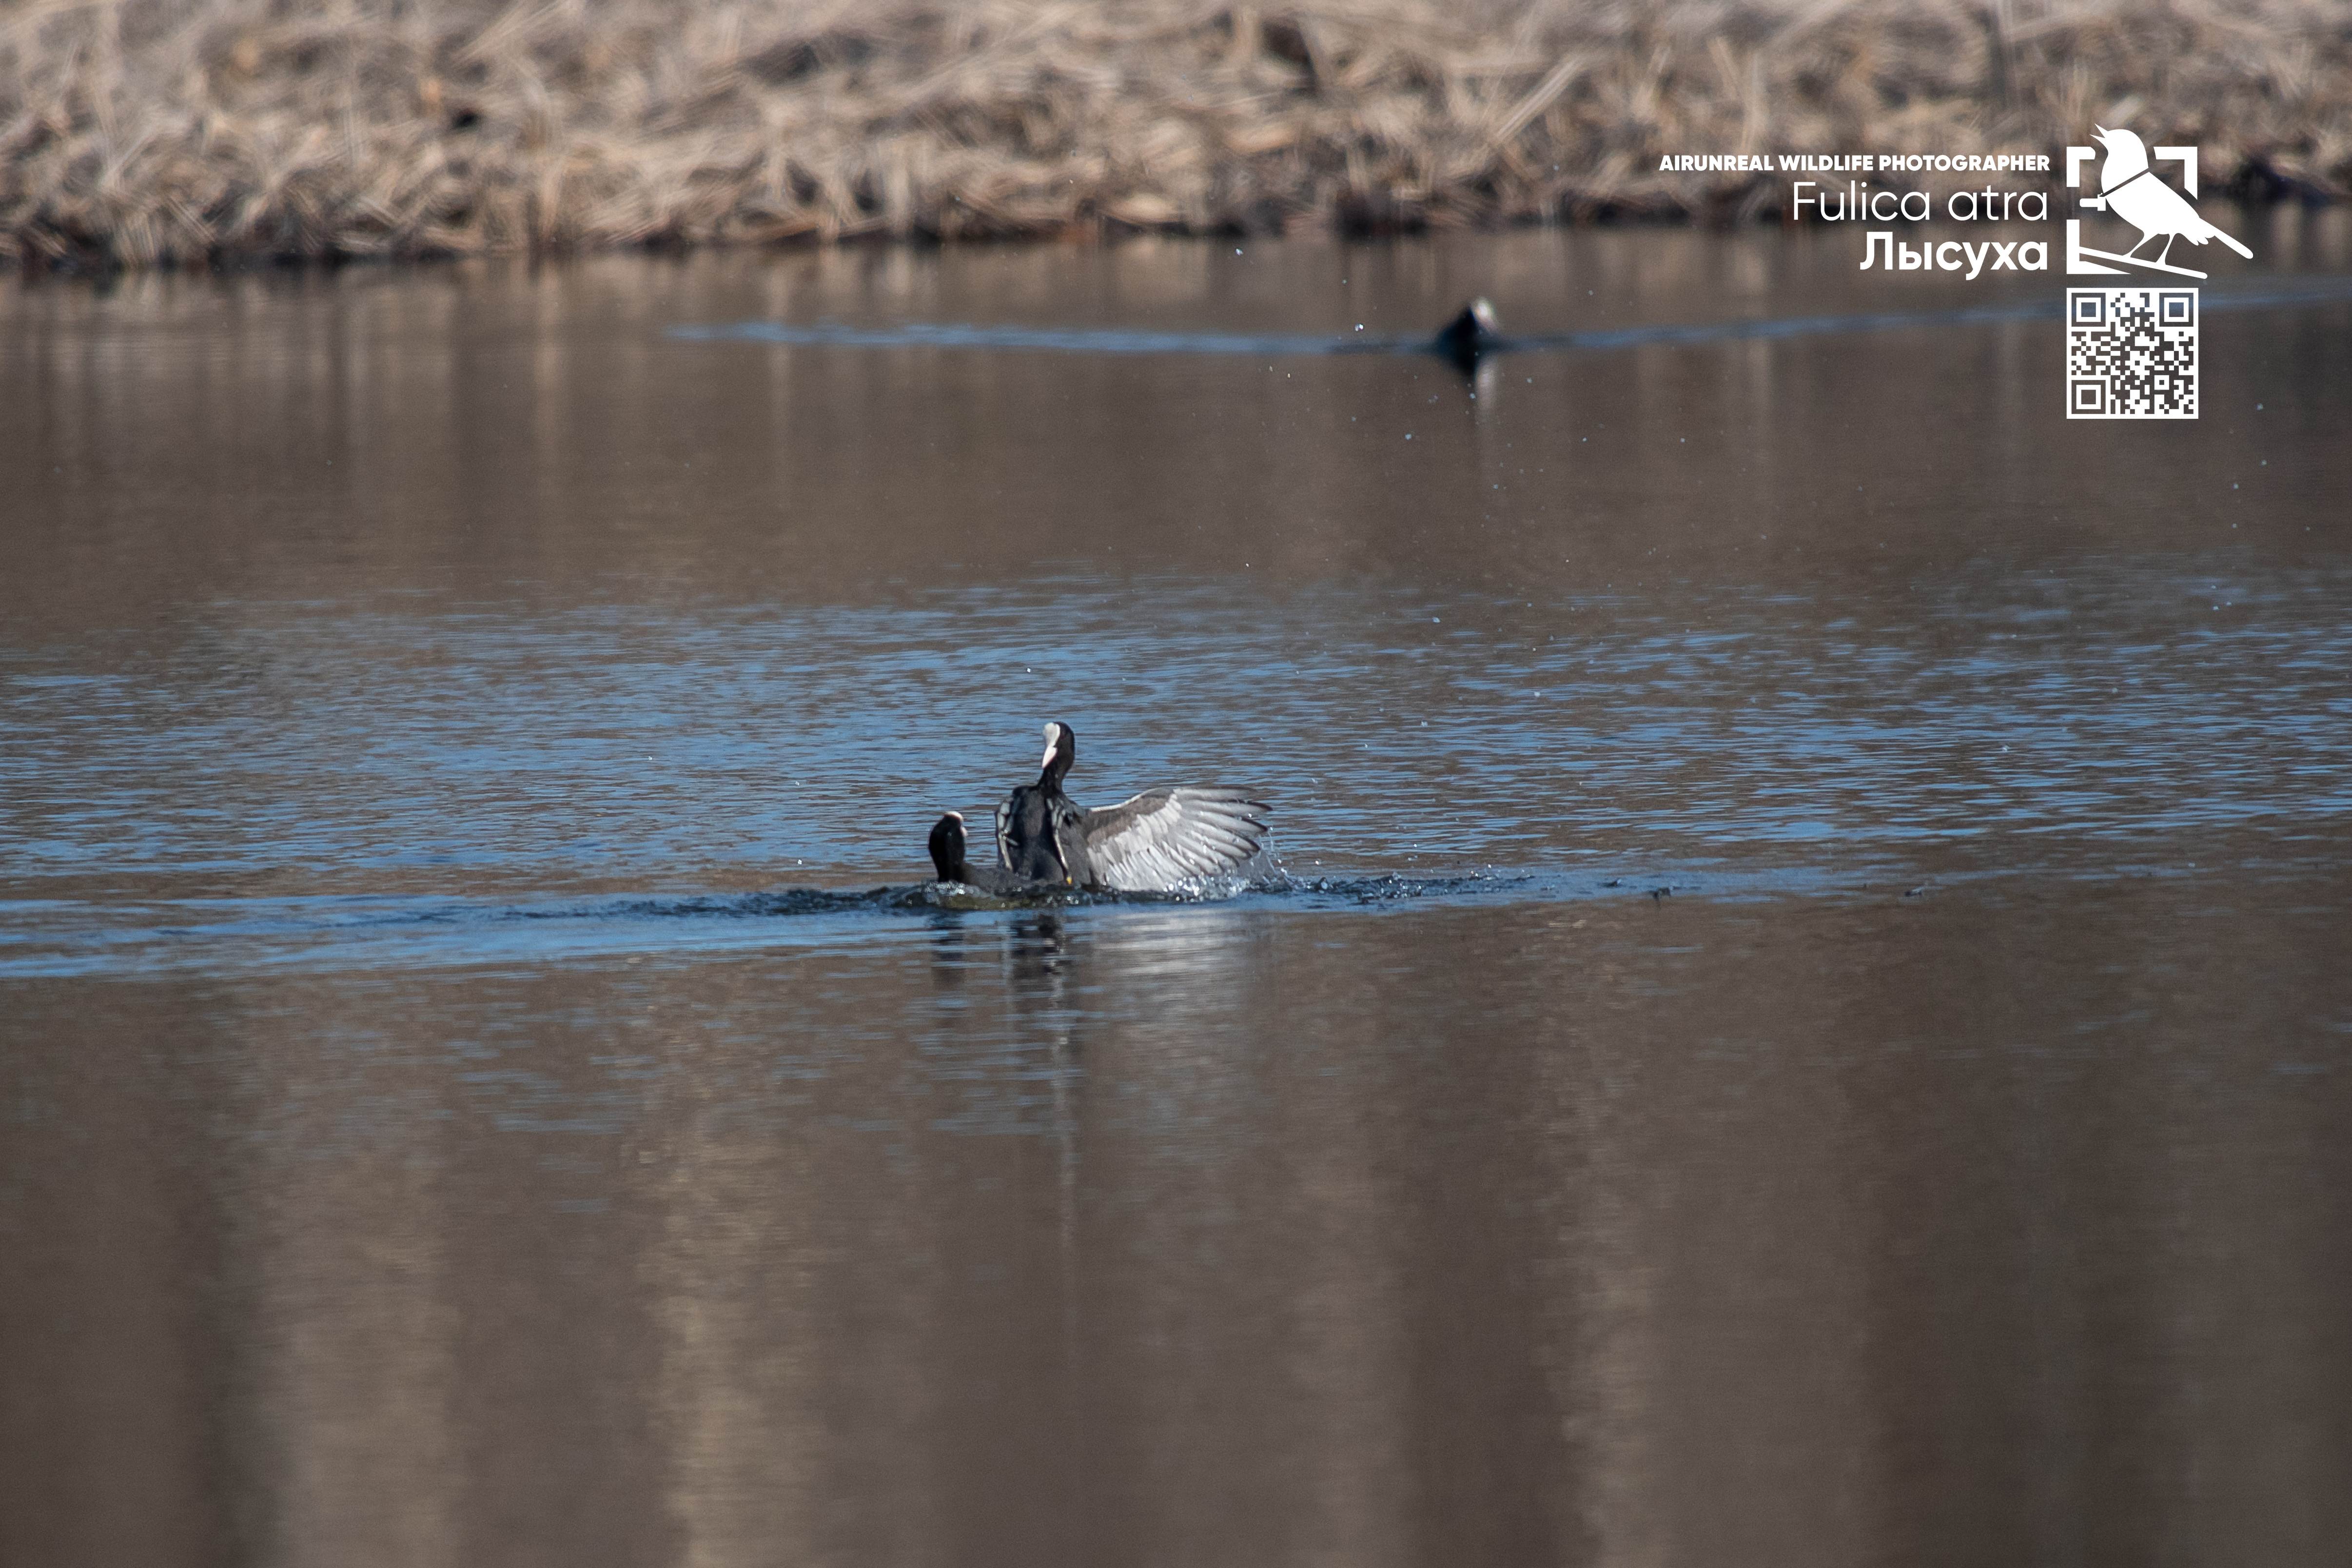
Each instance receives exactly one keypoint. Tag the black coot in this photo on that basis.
(1158, 841)
(1470, 336)
(1039, 833)
(948, 848)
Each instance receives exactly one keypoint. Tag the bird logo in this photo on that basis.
(2129, 188)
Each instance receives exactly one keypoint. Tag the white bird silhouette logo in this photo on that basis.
(2134, 195)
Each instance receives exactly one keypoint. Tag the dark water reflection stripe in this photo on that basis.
(2288, 295)
(52, 938)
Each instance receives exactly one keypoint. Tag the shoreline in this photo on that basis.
(138, 134)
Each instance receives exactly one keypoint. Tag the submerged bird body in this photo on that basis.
(1158, 841)
(949, 851)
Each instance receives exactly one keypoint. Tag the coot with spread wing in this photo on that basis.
(1155, 842)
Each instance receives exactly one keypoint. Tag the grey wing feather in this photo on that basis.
(1164, 838)
(1004, 833)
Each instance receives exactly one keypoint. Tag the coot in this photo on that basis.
(1470, 336)
(948, 852)
(1155, 842)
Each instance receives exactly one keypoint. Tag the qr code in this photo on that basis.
(2131, 353)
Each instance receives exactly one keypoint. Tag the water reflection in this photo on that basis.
(1208, 1229)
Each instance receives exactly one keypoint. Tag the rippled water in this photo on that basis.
(1801, 1017)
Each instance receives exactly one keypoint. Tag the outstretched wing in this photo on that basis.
(1163, 839)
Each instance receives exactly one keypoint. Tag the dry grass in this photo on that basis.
(147, 131)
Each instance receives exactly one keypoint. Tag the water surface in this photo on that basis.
(1801, 1017)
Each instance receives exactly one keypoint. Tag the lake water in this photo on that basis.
(1806, 1018)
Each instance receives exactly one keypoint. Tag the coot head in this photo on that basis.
(1061, 753)
(948, 848)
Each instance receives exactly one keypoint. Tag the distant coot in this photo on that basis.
(1470, 336)
(1155, 842)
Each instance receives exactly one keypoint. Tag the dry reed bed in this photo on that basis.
(148, 131)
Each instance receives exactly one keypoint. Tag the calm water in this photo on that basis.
(1806, 1020)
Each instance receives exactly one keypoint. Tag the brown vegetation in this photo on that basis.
(145, 131)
